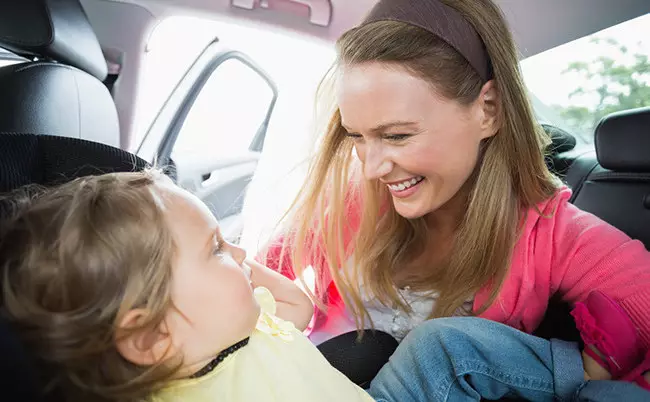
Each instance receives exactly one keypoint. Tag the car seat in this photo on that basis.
(44, 160)
(59, 89)
(613, 182)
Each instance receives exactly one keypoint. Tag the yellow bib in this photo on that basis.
(279, 364)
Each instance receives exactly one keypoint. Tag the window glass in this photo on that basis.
(226, 115)
(7, 58)
(576, 84)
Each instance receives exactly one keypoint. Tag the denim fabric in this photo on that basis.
(466, 359)
(612, 391)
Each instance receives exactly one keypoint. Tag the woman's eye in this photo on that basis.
(354, 137)
(397, 137)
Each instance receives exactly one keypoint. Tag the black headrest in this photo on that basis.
(53, 29)
(55, 99)
(49, 160)
(562, 141)
(623, 141)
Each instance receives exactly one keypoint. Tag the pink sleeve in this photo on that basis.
(272, 257)
(589, 254)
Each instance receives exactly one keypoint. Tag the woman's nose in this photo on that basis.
(375, 163)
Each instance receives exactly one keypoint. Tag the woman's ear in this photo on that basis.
(489, 102)
(141, 345)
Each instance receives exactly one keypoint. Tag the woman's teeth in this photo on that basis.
(406, 184)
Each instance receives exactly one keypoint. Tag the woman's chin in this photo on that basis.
(408, 211)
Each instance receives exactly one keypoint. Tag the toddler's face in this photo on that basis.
(212, 295)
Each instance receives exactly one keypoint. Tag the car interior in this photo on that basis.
(69, 96)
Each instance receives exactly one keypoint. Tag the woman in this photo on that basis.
(429, 196)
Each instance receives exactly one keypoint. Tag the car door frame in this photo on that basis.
(196, 77)
(157, 145)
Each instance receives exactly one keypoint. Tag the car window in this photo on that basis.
(226, 115)
(576, 84)
(4, 62)
(7, 58)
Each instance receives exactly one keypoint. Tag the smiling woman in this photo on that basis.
(410, 138)
(469, 182)
(429, 195)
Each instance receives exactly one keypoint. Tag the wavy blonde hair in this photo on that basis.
(510, 177)
(74, 260)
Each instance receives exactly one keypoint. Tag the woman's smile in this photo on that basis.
(405, 188)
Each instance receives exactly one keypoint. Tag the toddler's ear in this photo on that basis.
(141, 345)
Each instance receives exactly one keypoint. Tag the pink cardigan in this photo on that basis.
(566, 251)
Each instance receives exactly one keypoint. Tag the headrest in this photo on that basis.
(49, 160)
(561, 141)
(623, 141)
(53, 29)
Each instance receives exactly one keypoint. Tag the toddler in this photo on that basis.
(124, 288)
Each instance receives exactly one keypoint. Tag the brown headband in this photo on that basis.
(442, 21)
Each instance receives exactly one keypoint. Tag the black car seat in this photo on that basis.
(614, 183)
(45, 160)
(562, 144)
(59, 91)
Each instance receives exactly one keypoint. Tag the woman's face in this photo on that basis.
(422, 146)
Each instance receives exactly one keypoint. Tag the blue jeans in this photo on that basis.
(466, 359)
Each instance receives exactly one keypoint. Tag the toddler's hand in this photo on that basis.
(593, 370)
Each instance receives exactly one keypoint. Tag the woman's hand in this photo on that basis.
(293, 304)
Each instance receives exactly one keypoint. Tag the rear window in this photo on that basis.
(7, 58)
(576, 84)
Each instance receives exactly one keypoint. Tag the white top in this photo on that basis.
(394, 322)
(399, 323)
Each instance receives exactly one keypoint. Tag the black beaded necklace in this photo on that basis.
(220, 357)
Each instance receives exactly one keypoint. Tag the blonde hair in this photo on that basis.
(510, 177)
(75, 259)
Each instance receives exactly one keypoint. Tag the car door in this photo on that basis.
(212, 129)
